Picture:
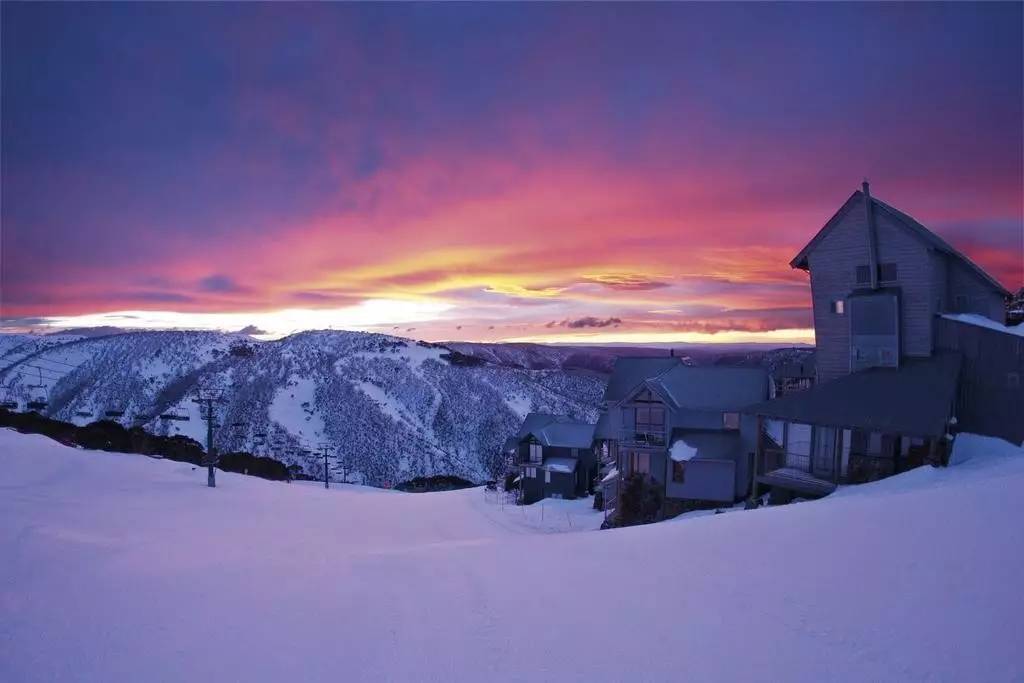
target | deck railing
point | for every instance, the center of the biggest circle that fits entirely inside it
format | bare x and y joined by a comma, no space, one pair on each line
640,438
860,467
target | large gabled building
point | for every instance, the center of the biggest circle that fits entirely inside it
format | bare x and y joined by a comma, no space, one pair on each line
878,280
891,371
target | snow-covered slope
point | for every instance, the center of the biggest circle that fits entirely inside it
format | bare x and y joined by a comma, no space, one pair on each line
122,568
390,409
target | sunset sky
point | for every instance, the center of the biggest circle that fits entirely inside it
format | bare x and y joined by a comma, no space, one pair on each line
572,172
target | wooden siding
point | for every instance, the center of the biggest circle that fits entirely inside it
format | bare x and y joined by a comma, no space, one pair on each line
968,293
833,265
706,480
930,282
991,401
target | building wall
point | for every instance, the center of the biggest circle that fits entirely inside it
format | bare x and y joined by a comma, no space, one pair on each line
833,265
535,489
710,480
969,293
991,400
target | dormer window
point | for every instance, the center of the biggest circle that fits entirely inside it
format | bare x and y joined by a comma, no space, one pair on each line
536,452
887,272
839,307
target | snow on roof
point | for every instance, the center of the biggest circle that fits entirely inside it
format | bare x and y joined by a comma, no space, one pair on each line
682,451
566,465
982,321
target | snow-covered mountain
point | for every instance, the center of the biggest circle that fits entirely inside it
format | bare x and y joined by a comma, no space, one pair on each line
387,408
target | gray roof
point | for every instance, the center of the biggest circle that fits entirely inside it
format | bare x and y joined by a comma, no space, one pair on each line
557,431
604,430
714,388
929,237
915,399
629,372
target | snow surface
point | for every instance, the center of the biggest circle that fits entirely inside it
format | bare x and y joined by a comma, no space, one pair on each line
124,568
563,465
292,409
982,321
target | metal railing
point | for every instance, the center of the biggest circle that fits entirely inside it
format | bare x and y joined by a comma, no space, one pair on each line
643,438
860,467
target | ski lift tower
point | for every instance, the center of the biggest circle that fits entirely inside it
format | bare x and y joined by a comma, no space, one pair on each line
207,398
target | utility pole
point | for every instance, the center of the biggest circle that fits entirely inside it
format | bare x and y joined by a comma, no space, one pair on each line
206,399
325,448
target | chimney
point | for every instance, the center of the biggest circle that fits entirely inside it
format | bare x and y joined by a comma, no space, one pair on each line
869,216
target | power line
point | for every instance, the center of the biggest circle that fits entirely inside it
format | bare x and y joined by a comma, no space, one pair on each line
52,360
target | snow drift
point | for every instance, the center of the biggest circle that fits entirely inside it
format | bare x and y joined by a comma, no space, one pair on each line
123,568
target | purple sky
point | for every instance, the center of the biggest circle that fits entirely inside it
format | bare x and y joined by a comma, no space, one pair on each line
488,171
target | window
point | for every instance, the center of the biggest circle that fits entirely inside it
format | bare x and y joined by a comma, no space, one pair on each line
960,303
887,272
678,472
731,420
838,306
531,472
536,452
650,424
639,463
547,476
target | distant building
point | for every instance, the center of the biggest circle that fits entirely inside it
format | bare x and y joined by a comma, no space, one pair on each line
555,457
794,375
889,366
681,428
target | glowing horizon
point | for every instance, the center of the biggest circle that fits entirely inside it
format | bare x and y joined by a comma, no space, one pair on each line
487,172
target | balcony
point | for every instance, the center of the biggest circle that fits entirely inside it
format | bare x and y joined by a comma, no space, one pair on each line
642,439
817,476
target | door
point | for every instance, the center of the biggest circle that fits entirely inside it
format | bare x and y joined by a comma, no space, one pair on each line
824,460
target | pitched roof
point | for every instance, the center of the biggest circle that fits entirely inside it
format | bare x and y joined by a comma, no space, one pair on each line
982,321
923,233
915,399
629,372
557,431
711,388
604,430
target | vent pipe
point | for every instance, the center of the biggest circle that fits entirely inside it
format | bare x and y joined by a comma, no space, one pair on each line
869,216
